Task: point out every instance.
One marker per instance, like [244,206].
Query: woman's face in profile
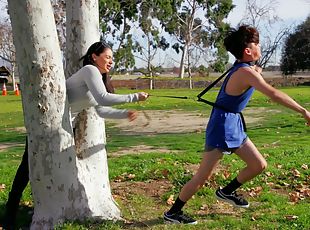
[104,60]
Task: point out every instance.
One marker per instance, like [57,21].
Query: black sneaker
[179,218]
[233,198]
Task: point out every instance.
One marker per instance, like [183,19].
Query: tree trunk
[182,64]
[82,31]
[57,193]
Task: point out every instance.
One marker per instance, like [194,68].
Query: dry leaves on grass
[302,192]
[305,167]
[27,203]
[295,172]
[291,217]
[125,177]
[225,174]
[254,192]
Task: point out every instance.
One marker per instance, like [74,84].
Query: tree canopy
[187,25]
[296,50]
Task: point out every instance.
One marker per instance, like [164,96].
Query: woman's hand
[132,115]
[143,96]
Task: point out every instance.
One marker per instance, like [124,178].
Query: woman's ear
[93,56]
[248,51]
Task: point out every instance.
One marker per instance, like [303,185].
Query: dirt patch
[4,146]
[18,129]
[152,122]
[155,188]
[159,121]
[140,149]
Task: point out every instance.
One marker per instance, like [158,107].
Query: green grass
[281,136]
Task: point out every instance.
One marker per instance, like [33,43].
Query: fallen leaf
[269,174]
[294,196]
[296,173]
[270,184]
[255,191]
[279,166]
[131,176]
[2,187]
[27,203]
[291,217]
[305,167]
[225,174]
[170,200]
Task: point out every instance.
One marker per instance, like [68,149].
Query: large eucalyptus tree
[65,186]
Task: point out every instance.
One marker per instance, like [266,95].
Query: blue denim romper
[225,130]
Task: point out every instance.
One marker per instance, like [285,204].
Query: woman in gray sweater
[91,86]
[88,87]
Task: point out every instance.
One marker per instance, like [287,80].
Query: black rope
[178,97]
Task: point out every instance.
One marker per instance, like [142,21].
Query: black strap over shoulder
[213,104]
[212,85]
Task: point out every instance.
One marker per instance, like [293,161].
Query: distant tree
[148,45]
[296,51]
[116,20]
[193,28]
[7,48]
[262,15]
[217,12]
[121,20]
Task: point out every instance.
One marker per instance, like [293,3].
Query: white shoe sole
[167,220]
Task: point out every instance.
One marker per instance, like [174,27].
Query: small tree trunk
[90,141]
[182,64]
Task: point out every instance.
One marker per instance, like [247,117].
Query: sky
[291,12]
[288,10]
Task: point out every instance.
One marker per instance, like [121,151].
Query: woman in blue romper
[225,133]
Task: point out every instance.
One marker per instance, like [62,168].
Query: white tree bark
[58,195]
[182,64]
[82,31]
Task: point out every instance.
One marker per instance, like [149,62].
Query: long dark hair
[97,48]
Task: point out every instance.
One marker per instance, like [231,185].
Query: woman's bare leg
[255,162]
[208,164]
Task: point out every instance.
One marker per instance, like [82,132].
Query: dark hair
[97,48]
[237,40]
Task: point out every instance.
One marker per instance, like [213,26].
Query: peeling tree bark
[63,186]
[58,194]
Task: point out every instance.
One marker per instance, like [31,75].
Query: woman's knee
[260,166]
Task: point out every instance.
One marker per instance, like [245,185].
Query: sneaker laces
[185,217]
[238,196]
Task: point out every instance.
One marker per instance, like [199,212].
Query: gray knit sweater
[85,89]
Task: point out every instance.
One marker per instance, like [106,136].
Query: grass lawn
[143,183]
